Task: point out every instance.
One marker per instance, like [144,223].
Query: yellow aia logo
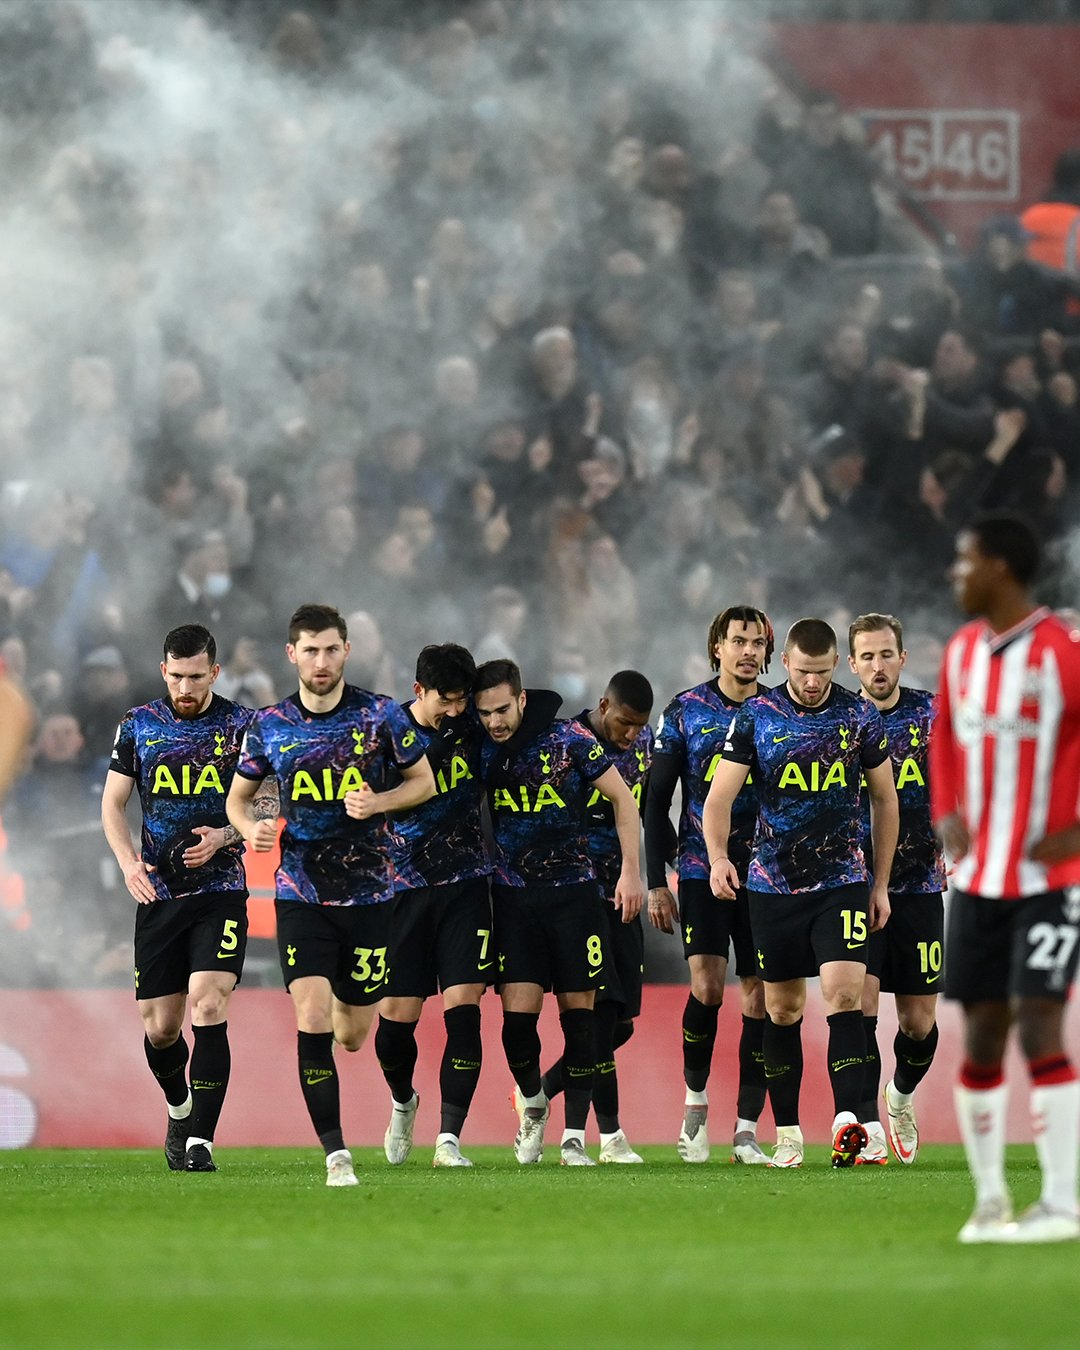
[185,780]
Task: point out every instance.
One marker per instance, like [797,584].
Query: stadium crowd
[409,310]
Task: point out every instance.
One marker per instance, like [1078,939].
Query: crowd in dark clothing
[551,363]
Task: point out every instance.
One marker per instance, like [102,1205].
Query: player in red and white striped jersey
[1004,775]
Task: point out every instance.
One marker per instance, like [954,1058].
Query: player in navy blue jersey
[539,775]
[332,748]
[187,878]
[620,722]
[807,744]
[689,745]
[440,926]
[905,957]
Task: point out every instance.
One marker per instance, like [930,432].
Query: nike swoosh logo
[705,730]
[777,739]
[593,974]
[225,956]
[485,965]
[370,988]
[931,978]
[291,746]
[852,946]
[148,744]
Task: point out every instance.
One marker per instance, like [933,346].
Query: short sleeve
[874,749]
[253,762]
[588,754]
[739,746]
[669,739]
[404,741]
[124,758]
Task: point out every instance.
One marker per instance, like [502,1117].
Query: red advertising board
[969,117]
[72,1075]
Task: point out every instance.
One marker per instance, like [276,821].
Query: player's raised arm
[417,786]
[726,785]
[884,831]
[628,892]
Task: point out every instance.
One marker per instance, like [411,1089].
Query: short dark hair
[190,639]
[316,619]
[718,630]
[445,667]
[813,637]
[1011,538]
[491,674]
[631,689]
[874,623]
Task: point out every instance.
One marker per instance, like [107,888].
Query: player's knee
[753,998]
[208,1009]
[161,1033]
[1038,1027]
[707,989]
[916,1025]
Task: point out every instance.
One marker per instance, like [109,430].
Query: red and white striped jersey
[1005,750]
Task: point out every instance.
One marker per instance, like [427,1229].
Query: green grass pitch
[109,1249]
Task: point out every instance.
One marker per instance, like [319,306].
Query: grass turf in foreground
[109,1249]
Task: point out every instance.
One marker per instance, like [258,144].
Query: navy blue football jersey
[327,858]
[807,763]
[919,864]
[183,768]
[441,840]
[693,729]
[538,806]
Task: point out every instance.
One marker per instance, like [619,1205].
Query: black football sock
[167,1066]
[579,1060]
[460,1069]
[752,1091]
[847,1052]
[782,1048]
[913,1060]
[871,1078]
[521,1044]
[395,1049]
[605,1090]
[699,1037]
[319,1084]
[624,1029]
[210,1065]
[553,1080]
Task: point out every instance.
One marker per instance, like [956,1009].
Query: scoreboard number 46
[947,154]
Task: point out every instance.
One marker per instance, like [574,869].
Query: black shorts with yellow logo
[711,926]
[795,935]
[624,962]
[550,935]
[345,944]
[174,938]
[441,936]
[907,954]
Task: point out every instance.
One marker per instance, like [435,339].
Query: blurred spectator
[828,173]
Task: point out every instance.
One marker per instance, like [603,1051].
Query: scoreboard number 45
[949,154]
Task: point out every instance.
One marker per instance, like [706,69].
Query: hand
[723,879]
[229,484]
[663,910]
[362,803]
[137,880]
[954,836]
[880,909]
[1057,847]
[211,840]
[628,895]
[262,835]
